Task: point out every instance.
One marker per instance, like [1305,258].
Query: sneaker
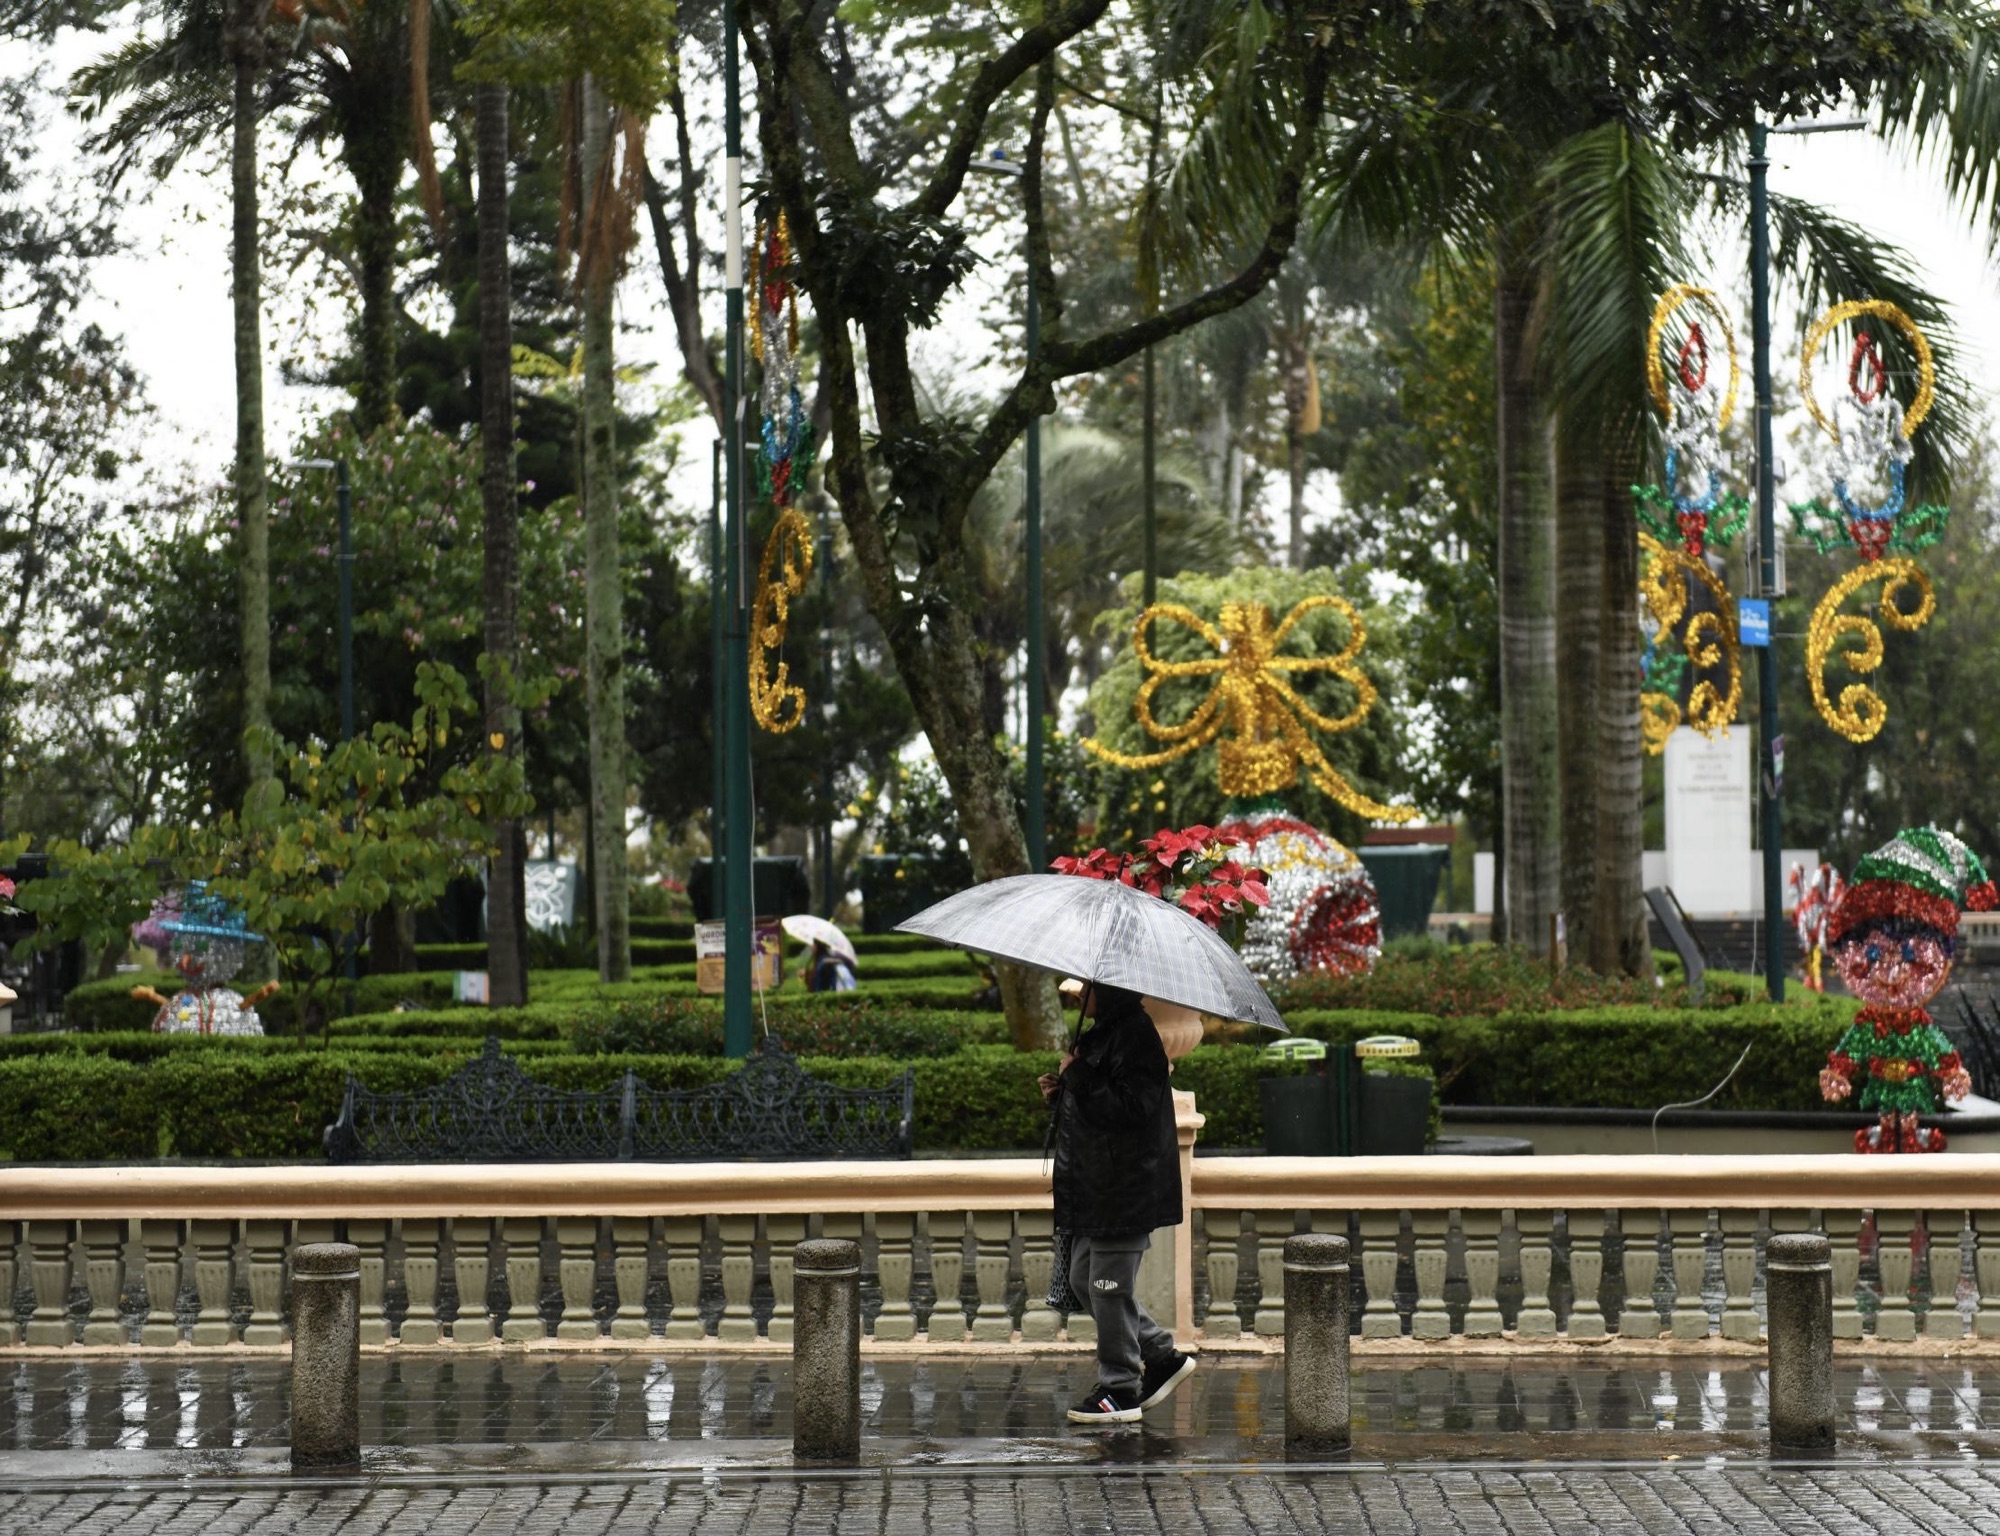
[1106,1405]
[1162,1376]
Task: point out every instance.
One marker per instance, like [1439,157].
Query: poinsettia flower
[1256,892]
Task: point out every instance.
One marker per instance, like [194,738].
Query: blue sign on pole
[1753,620]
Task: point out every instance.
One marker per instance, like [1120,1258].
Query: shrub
[109,1004]
[815,1025]
[1463,979]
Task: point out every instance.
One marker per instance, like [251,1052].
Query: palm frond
[1950,110]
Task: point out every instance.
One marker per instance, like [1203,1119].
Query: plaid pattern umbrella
[1103,931]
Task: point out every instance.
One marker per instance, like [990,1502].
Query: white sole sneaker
[1166,1388]
[1104,1411]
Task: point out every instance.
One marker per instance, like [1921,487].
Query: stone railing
[1577,1248]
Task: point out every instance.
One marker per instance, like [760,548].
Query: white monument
[1709,800]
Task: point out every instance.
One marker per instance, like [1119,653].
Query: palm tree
[506,901]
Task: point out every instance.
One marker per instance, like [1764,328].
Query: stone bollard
[826,1350]
[326,1357]
[1316,1406]
[1798,1287]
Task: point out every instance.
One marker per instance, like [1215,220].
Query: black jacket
[1117,1160]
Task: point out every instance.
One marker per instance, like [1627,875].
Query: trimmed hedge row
[1622,1057]
[217,1102]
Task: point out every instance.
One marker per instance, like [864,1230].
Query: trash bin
[1298,1111]
[1393,1112]
[1406,884]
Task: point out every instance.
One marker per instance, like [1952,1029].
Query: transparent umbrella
[1103,931]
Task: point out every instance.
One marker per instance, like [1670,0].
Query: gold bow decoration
[1709,639]
[1268,725]
[776,702]
[1860,712]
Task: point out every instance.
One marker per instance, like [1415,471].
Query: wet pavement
[581,1443]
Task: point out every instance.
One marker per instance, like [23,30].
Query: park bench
[490,1111]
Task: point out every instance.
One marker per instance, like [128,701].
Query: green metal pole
[1769,741]
[740,894]
[717,645]
[1037,839]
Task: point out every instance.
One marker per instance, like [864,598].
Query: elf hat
[1923,874]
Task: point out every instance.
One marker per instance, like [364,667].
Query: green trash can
[1406,884]
[1393,1112]
[1298,1113]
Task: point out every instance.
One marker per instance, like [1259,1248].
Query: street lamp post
[739,889]
[1771,744]
[999,165]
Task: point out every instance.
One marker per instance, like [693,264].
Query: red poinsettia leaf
[1256,892]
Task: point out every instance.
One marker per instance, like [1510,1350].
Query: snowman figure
[203,939]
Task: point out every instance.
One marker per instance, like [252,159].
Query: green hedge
[219,1100]
[109,1005]
[1623,1057]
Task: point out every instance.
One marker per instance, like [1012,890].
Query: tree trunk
[253,513]
[506,892]
[374,155]
[604,597]
[1618,937]
[1531,788]
[1580,537]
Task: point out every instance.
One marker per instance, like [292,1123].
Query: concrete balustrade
[552,1256]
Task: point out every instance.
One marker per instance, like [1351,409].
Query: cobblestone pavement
[1617,1501]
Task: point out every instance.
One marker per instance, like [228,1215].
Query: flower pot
[1180,1028]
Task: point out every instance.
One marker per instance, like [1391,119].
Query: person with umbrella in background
[1117,1177]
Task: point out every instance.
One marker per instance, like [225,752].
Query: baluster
[1761,1238]
[372,1238]
[1537,1319]
[682,1237]
[1688,1254]
[1985,1268]
[1714,1284]
[523,1321]
[895,1263]
[1895,1322]
[9,1334]
[992,1231]
[1457,1289]
[1430,1320]
[947,1251]
[1586,1274]
[1225,1231]
[214,1244]
[1639,1317]
[631,1264]
[1868,1289]
[1273,1227]
[161,1241]
[1848,1321]
[103,1270]
[1949,1317]
[1482,1275]
[739,1236]
[420,1281]
[472,1268]
[1507,1290]
[1040,1322]
[783,1233]
[266,1241]
[1739,1278]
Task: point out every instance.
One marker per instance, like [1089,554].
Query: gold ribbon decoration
[1881,309]
[1860,712]
[1671,302]
[1709,638]
[1261,727]
[776,702]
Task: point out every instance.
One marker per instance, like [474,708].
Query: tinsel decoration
[1680,520]
[1812,916]
[1708,639]
[1261,726]
[1893,935]
[1691,510]
[1871,436]
[1323,915]
[776,703]
[204,939]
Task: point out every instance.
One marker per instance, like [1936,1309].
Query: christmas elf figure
[1892,938]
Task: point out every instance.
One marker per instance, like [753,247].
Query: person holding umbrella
[1117,1177]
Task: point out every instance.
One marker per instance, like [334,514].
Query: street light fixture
[1770,779]
[999,165]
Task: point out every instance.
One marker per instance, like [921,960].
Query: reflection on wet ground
[1449,1409]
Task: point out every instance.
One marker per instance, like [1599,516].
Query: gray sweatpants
[1105,1270]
